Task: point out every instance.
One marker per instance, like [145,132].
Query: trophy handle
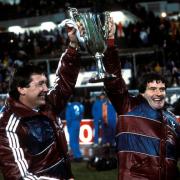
[106,24]
[73,14]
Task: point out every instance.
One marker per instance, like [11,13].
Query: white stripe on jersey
[16,149]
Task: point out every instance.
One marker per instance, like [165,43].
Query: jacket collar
[19,109]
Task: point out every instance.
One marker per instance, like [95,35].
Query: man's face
[33,96]
[155,94]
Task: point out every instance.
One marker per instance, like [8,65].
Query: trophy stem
[100,67]
[101,72]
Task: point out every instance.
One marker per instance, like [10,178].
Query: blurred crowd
[33,8]
[162,34]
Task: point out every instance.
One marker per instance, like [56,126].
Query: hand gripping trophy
[94,39]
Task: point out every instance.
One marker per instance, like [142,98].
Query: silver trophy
[94,39]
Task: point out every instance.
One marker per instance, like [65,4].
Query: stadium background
[147,38]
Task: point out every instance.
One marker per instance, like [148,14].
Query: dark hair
[150,78]
[21,77]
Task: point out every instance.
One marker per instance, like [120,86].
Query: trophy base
[98,79]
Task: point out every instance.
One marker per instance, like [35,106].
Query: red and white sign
[86,134]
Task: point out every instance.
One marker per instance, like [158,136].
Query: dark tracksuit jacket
[33,144]
[147,139]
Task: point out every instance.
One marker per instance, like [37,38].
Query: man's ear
[21,90]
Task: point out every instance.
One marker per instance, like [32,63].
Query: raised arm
[116,89]
[66,73]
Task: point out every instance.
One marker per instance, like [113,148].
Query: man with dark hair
[147,134]
[147,78]
[32,140]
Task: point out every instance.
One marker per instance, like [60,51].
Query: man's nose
[158,91]
[45,88]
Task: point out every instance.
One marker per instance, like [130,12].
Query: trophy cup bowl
[95,38]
